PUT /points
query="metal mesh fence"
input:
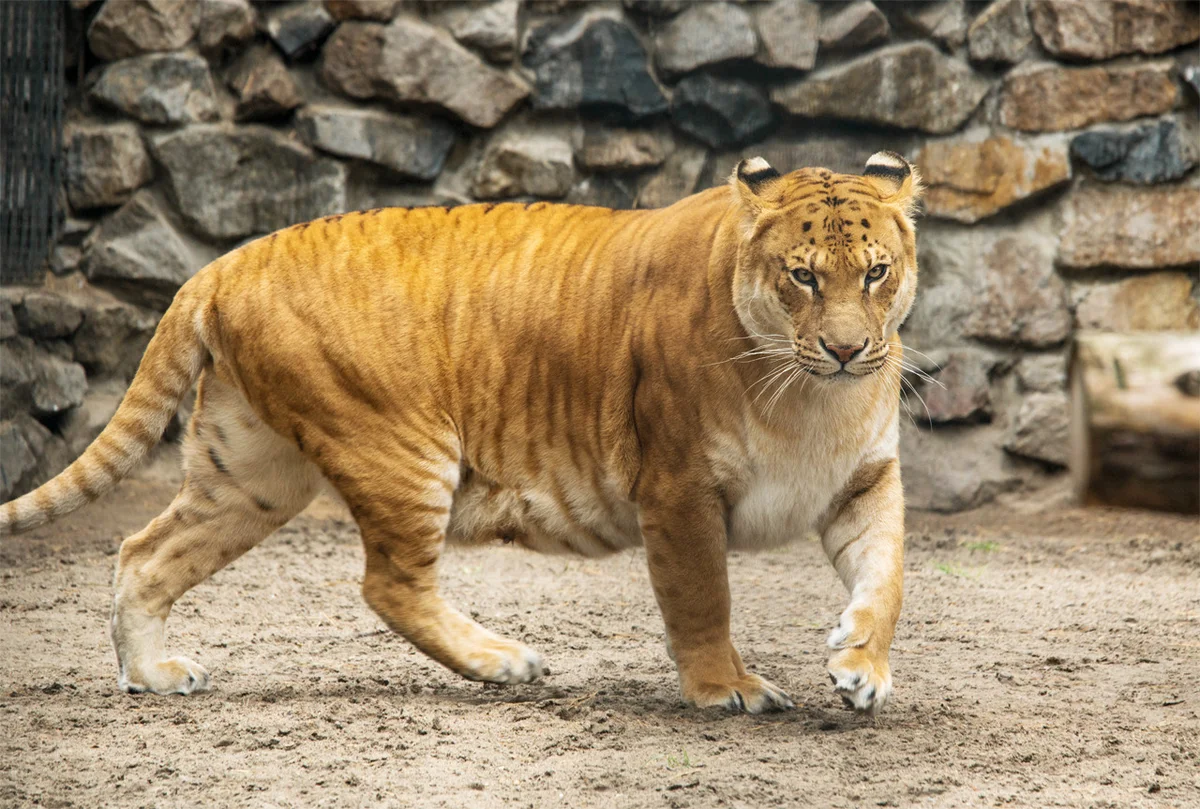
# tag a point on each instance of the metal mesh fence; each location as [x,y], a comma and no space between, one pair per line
[31,113]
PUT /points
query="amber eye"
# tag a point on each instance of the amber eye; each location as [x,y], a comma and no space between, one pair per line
[805,277]
[876,272]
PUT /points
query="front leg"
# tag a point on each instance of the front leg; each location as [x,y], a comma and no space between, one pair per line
[685,549]
[865,542]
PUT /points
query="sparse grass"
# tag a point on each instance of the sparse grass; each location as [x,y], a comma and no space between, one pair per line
[985,546]
[955,570]
[680,762]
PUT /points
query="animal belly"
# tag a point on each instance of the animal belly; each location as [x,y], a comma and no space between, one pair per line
[774,513]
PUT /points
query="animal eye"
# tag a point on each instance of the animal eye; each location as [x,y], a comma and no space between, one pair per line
[876,272]
[805,277]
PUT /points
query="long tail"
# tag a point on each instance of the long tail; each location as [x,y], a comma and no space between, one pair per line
[170,366]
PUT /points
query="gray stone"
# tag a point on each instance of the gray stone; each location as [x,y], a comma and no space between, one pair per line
[1148,154]
[415,147]
[46,315]
[1044,97]
[16,458]
[962,391]
[1040,429]
[65,259]
[597,66]
[952,468]
[298,28]
[37,381]
[1088,30]
[486,25]
[224,24]
[159,88]
[704,34]
[131,27]
[59,386]
[788,30]
[8,320]
[29,455]
[944,22]
[74,230]
[521,161]
[1191,74]
[1042,373]
[656,8]
[675,180]
[378,10]
[230,182]
[83,424]
[605,191]
[858,25]
[138,251]
[17,374]
[113,336]
[624,149]
[1001,33]
[1131,228]
[913,86]
[106,163]
[1160,301]
[1021,299]
[413,62]
[720,112]
[263,86]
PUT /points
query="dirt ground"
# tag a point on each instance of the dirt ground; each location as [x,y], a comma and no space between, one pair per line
[1043,659]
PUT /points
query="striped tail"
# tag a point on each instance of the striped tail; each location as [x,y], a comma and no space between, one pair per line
[170,366]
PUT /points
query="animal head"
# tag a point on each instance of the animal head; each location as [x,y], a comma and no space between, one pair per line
[827,262]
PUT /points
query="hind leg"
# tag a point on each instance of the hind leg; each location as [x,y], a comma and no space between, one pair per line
[242,482]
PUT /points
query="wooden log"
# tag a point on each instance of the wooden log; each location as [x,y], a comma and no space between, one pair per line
[1135,420]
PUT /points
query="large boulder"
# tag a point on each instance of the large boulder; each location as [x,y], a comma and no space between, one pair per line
[412,146]
[599,67]
[1040,429]
[130,27]
[720,112]
[138,251]
[37,381]
[1001,33]
[857,25]
[1020,298]
[159,88]
[624,148]
[952,468]
[489,26]
[1155,153]
[263,86]
[704,34]
[788,30]
[675,180]
[1131,228]
[972,177]
[913,86]
[962,389]
[113,336]
[29,455]
[1160,301]
[414,62]
[224,24]
[1045,97]
[1102,30]
[230,182]
[521,161]
[298,29]
[45,315]
[105,164]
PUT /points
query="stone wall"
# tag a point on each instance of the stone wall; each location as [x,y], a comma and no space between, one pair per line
[1057,139]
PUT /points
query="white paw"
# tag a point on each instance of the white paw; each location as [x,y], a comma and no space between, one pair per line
[863,682]
[177,675]
[504,661]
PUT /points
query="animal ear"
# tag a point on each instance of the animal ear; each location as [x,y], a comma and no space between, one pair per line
[896,180]
[753,182]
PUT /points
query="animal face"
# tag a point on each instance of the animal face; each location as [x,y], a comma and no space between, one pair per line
[828,261]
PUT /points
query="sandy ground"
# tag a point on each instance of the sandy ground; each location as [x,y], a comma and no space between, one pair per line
[1042,660]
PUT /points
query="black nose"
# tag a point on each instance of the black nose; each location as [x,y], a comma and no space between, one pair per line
[842,352]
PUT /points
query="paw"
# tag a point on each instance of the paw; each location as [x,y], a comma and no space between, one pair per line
[503,661]
[749,693]
[178,675]
[863,681]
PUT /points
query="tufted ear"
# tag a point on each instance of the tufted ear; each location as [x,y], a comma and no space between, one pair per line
[753,182]
[897,182]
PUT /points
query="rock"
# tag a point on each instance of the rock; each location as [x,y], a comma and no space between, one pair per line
[415,147]
[656,8]
[912,86]
[59,386]
[1191,74]
[704,34]
[788,30]
[599,68]
[36,381]
[17,375]
[1131,228]
[972,177]
[263,86]
[1039,430]
[1149,154]
[137,250]
[1001,33]
[131,27]
[855,26]
[1160,301]
[74,230]
[1083,30]
[1021,299]
[224,24]
[413,62]
[624,149]
[47,315]
[230,182]
[378,10]
[8,320]
[486,25]
[952,468]
[944,22]
[159,88]
[64,259]
[298,29]
[105,164]
[1046,97]
[29,455]
[720,112]
[1044,373]
[113,336]
[675,180]
[82,425]
[520,161]
[963,392]
[605,191]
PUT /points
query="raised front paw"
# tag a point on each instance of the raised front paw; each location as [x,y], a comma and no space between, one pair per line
[862,678]
[749,693]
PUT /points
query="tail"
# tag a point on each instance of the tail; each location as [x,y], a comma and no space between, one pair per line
[170,366]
